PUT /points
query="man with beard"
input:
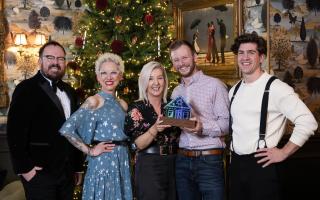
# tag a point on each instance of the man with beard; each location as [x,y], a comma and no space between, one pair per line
[44,160]
[199,163]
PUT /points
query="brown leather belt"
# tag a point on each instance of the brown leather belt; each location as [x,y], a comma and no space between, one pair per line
[196,153]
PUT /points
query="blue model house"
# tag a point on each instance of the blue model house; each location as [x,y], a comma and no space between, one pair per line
[178,109]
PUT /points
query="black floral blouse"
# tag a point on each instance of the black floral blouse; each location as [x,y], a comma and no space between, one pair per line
[141,116]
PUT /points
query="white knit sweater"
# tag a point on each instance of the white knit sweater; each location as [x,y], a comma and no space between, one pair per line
[284,104]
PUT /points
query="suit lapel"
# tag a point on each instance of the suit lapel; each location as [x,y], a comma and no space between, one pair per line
[44,84]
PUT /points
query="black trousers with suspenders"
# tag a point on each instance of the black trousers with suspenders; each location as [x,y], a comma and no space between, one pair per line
[247,179]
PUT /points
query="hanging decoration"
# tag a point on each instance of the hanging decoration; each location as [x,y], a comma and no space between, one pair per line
[73,65]
[117,46]
[126,28]
[118,19]
[101,5]
[134,39]
[148,19]
[78,42]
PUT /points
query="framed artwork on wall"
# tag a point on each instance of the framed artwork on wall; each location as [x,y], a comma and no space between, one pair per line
[295,43]
[210,26]
[24,27]
[254,17]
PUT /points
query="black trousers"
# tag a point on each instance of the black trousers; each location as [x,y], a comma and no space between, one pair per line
[155,177]
[47,186]
[249,181]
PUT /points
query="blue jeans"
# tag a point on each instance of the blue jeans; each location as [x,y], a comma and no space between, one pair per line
[200,177]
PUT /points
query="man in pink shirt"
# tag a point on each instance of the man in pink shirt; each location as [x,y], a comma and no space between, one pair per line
[199,163]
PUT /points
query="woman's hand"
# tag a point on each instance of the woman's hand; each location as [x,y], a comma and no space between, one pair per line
[102,147]
[158,127]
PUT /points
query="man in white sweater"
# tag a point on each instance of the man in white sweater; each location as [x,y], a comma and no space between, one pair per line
[253,168]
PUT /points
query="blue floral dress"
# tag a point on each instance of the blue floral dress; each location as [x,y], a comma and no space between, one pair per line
[108,175]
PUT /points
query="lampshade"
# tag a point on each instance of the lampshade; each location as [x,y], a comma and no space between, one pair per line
[40,39]
[20,39]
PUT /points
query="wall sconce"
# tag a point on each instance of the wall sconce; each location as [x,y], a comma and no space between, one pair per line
[40,39]
[28,44]
[20,39]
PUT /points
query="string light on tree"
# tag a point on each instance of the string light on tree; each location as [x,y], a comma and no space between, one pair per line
[136,30]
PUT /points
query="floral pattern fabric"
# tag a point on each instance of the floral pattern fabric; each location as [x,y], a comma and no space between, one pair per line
[141,116]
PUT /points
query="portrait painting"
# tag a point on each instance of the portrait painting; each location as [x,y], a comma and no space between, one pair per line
[210,26]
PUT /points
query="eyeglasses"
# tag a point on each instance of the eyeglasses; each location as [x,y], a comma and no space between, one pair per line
[53,58]
[112,74]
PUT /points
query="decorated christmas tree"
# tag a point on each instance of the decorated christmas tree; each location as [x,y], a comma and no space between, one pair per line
[139,31]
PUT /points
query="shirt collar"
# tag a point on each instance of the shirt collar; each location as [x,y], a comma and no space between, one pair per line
[194,78]
[50,82]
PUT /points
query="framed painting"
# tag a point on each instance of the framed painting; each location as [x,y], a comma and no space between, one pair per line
[254,17]
[295,47]
[210,26]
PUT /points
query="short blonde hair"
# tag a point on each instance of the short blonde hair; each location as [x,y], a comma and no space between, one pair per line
[109,57]
[144,80]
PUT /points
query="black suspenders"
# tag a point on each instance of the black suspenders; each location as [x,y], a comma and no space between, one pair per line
[230,117]
[263,117]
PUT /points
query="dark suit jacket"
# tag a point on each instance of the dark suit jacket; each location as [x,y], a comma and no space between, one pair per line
[34,119]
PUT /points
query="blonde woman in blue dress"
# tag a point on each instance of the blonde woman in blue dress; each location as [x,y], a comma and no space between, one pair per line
[97,130]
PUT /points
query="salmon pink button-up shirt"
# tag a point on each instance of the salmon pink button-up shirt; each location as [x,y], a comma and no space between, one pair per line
[208,98]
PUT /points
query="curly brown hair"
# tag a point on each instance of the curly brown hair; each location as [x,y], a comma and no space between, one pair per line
[250,38]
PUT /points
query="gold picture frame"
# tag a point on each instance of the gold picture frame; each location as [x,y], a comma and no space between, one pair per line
[187,13]
[4,99]
[255,16]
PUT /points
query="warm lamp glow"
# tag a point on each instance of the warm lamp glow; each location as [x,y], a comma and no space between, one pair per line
[40,39]
[20,39]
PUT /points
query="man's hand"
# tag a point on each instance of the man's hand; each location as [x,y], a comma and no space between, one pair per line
[275,155]
[29,175]
[270,155]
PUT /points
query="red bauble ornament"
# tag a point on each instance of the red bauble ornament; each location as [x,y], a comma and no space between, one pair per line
[117,46]
[78,42]
[101,4]
[148,19]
